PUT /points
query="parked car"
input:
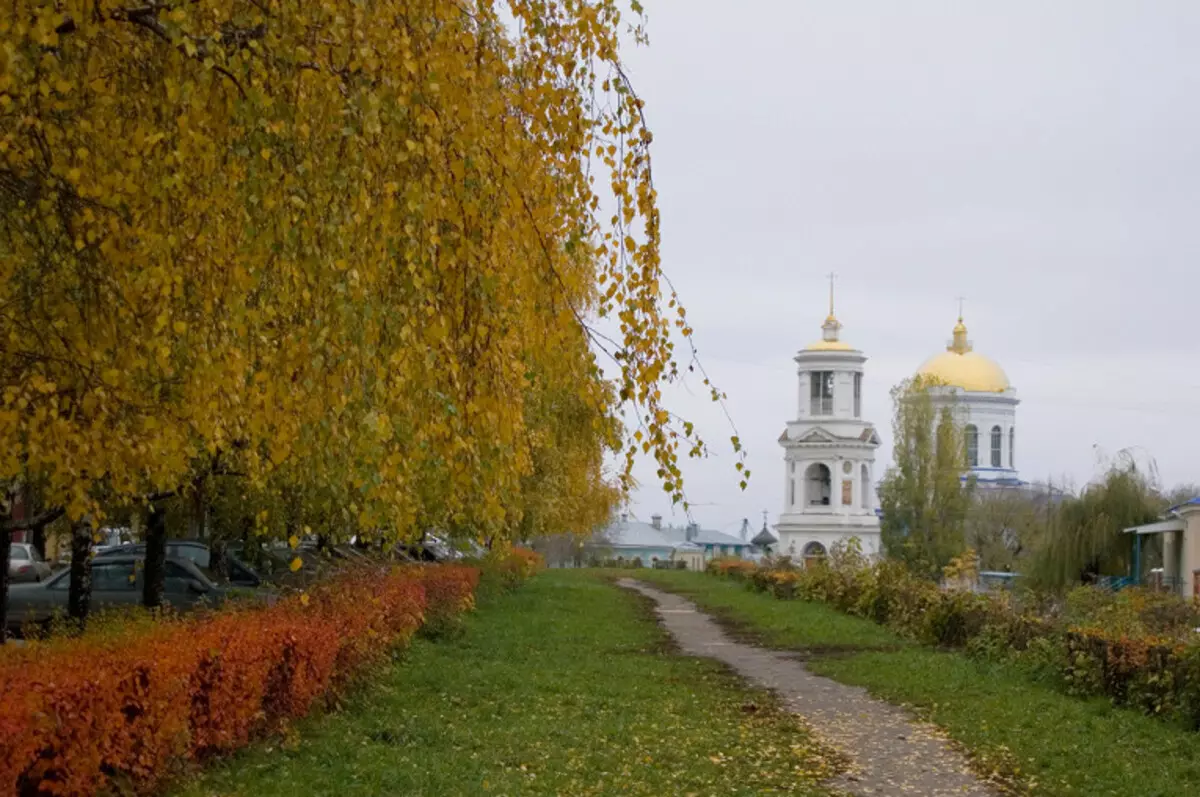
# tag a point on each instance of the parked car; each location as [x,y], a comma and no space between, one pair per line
[274,561]
[116,581]
[26,564]
[240,574]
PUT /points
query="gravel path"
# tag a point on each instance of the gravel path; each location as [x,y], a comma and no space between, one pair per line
[891,754]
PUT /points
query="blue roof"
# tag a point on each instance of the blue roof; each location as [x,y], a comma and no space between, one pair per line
[1192,502]
[704,537]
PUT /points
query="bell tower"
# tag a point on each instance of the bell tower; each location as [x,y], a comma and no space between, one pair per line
[829,452]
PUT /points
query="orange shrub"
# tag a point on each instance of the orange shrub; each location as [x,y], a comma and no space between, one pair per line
[514,566]
[125,710]
[732,567]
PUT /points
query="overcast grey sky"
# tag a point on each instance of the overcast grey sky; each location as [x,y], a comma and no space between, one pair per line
[1040,159]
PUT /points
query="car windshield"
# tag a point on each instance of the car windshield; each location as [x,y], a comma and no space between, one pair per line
[19,553]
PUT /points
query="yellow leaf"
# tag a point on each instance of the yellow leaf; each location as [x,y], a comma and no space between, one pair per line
[296,564]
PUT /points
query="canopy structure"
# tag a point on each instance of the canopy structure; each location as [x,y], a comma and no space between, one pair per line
[1158,527]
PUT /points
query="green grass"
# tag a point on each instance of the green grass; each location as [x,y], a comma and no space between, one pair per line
[781,624]
[564,687]
[1044,741]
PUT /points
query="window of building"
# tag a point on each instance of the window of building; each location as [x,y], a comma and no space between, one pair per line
[821,392]
[858,395]
[814,552]
[866,488]
[997,440]
[1012,447]
[792,493]
[972,435]
[819,485]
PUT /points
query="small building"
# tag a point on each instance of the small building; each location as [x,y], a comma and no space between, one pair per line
[764,540]
[713,543]
[690,554]
[652,542]
[1180,530]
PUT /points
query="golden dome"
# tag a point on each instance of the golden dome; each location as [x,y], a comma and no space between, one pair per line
[969,371]
[829,345]
[959,366]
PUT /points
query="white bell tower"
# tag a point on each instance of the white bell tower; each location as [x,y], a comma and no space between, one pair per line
[829,452]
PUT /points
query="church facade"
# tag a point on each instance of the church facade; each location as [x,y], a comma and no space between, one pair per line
[829,448]
[829,453]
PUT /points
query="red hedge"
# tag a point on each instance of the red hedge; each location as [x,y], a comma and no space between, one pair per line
[129,708]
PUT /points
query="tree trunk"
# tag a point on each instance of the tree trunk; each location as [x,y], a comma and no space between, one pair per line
[5,551]
[37,535]
[156,558]
[79,593]
[37,538]
[198,514]
[218,560]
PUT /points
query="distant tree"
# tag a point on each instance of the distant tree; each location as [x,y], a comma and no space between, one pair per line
[1180,493]
[1085,537]
[923,497]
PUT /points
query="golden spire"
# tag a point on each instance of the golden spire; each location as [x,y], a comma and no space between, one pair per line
[832,325]
[960,344]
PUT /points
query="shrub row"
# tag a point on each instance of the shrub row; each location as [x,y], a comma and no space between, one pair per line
[126,708]
[621,563]
[1136,647]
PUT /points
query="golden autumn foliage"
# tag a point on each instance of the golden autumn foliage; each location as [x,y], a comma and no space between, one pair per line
[347,251]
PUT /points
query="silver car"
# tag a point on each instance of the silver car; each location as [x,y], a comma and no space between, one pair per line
[25,564]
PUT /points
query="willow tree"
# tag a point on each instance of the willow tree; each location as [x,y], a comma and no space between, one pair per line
[924,496]
[1084,536]
[328,245]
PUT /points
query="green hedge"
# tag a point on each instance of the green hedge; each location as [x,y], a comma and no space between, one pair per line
[1137,647]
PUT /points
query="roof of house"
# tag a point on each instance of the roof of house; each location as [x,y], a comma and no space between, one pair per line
[1158,527]
[1193,502]
[636,534]
[704,537]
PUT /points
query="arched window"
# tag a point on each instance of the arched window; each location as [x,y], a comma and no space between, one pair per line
[1012,446]
[821,392]
[818,485]
[866,488]
[972,435]
[813,552]
[997,440]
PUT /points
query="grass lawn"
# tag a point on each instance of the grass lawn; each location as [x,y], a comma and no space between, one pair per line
[1049,742]
[564,687]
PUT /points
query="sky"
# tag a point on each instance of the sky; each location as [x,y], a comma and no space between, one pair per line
[1041,160]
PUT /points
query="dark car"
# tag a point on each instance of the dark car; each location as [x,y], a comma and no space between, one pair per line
[116,581]
[239,573]
[26,564]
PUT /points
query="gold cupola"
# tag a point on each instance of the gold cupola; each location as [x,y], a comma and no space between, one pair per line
[829,330]
[962,367]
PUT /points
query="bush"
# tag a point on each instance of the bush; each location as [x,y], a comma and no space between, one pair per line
[124,709]
[509,568]
[1137,647]
[730,567]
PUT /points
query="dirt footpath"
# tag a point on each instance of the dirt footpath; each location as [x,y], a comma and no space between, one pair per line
[891,753]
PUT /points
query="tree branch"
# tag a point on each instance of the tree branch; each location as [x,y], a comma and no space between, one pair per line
[35,522]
